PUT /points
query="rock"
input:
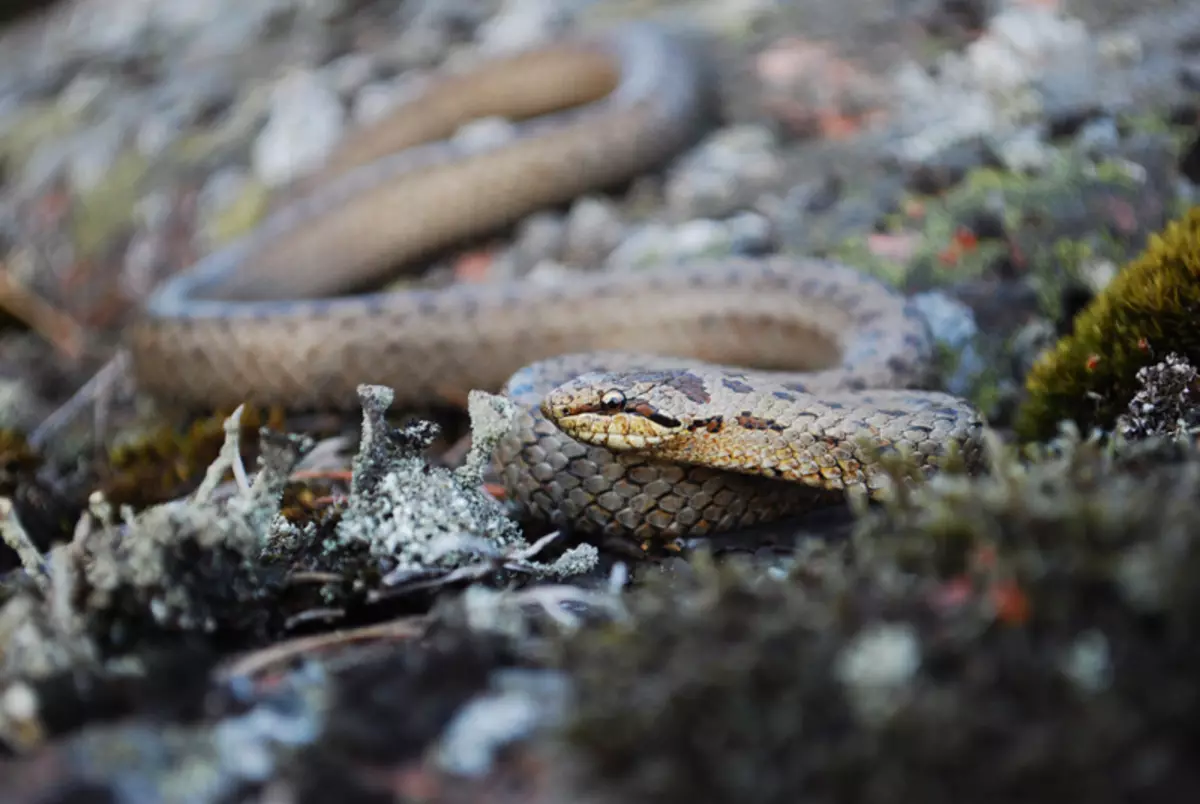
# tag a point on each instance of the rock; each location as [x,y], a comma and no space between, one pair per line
[594,227]
[942,170]
[539,238]
[1025,152]
[723,173]
[379,98]
[653,243]
[484,133]
[350,73]
[305,122]
[953,327]
[521,24]
[1099,138]
[750,234]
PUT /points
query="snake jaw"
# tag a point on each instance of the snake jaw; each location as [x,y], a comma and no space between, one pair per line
[620,432]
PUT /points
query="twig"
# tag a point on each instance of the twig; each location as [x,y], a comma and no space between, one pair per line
[260,660]
[59,329]
[95,390]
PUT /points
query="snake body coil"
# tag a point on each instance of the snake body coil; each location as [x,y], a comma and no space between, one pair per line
[255,321]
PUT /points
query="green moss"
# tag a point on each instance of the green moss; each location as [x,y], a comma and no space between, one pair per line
[1057,224]
[1148,310]
[38,124]
[241,215]
[108,208]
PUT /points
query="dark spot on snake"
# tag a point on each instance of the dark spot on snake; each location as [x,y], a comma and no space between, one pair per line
[855,384]
[690,386]
[737,386]
[426,305]
[784,395]
[652,413]
[897,364]
[834,405]
[752,422]
[921,428]
[893,413]
[712,424]
[798,387]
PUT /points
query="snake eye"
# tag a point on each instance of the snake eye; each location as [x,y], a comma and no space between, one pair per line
[613,400]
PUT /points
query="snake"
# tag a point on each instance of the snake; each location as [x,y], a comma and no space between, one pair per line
[700,396]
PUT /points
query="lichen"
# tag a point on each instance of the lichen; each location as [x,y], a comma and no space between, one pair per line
[1148,310]
[420,518]
[1166,405]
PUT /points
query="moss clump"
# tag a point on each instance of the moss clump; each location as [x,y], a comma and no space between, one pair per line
[1148,310]
[167,462]
[1020,636]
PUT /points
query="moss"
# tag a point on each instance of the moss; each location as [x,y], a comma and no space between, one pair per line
[1148,310]
[1020,636]
[107,209]
[167,462]
[241,215]
[40,123]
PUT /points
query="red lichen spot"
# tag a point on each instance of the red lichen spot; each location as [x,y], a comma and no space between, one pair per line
[962,242]
[1012,604]
[1143,345]
[1092,362]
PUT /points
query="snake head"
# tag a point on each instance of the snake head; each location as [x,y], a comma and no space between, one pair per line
[620,411]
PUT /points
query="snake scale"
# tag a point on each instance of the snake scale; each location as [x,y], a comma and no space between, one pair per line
[670,434]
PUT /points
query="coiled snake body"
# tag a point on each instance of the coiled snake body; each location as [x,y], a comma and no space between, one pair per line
[664,444]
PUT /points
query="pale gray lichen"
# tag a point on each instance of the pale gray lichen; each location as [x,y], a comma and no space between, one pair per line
[137,556]
[424,517]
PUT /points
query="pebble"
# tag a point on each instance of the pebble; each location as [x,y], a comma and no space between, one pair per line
[1099,137]
[350,73]
[377,99]
[953,326]
[594,227]
[538,238]
[653,243]
[484,134]
[1025,152]
[305,122]
[521,24]
[723,173]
